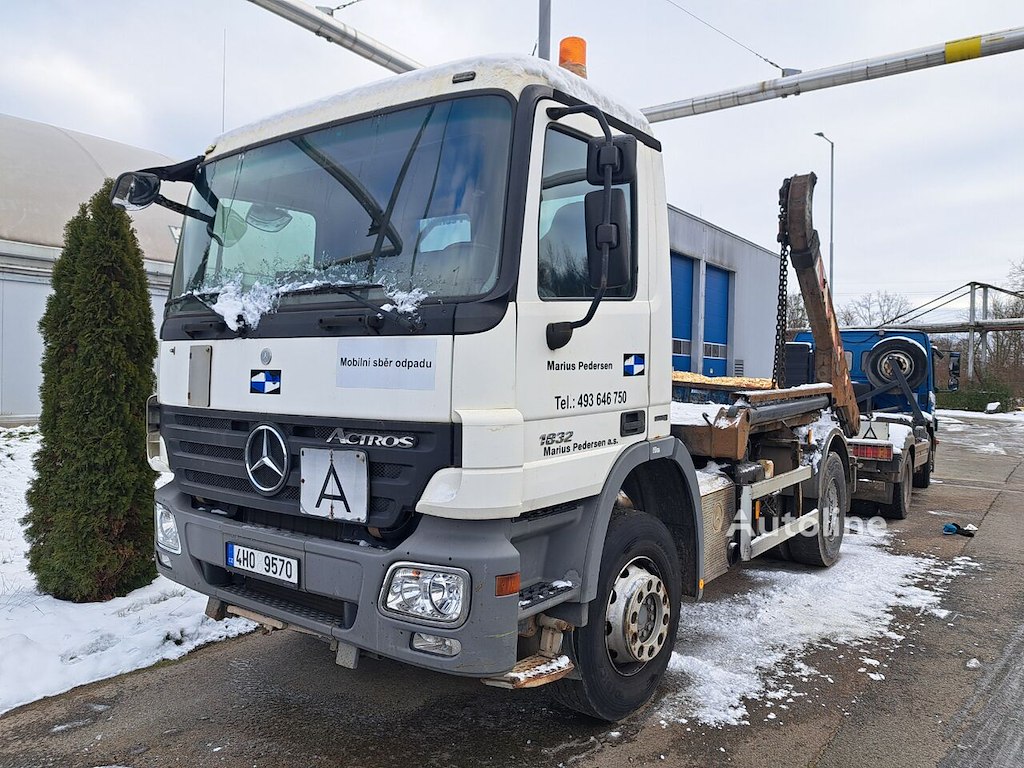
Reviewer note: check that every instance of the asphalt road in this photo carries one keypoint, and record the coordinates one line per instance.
(278, 699)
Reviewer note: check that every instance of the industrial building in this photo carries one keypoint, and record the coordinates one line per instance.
(724, 294)
(723, 297)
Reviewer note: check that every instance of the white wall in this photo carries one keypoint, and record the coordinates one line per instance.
(24, 288)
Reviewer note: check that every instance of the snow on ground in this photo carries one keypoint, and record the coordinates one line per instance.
(1014, 417)
(997, 434)
(752, 646)
(48, 646)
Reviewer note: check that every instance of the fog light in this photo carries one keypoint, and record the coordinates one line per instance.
(165, 561)
(439, 646)
(166, 529)
(426, 593)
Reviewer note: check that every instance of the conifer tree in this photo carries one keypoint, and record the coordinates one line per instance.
(90, 520)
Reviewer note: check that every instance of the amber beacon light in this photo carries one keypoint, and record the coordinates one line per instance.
(572, 55)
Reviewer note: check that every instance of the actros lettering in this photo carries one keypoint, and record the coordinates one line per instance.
(371, 440)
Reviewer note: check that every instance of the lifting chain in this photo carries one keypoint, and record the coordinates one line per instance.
(782, 310)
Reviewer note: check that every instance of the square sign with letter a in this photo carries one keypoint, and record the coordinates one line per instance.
(335, 484)
(633, 365)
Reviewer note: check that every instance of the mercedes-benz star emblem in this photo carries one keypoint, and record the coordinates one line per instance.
(266, 459)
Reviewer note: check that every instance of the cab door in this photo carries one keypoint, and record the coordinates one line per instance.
(583, 403)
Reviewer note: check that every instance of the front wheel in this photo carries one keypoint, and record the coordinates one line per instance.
(623, 650)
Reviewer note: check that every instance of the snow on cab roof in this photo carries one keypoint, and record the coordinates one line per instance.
(508, 72)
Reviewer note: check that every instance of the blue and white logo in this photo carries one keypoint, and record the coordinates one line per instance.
(633, 365)
(264, 382)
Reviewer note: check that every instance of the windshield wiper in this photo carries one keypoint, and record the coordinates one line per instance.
(355, 188)
(351, 290)
(385, 219)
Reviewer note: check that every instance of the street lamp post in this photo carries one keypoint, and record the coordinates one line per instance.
(831, 207)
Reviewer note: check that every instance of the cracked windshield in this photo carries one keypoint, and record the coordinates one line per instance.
(403, 207)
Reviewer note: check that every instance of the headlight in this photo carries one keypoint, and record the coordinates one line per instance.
(166, 529)
(426, 593)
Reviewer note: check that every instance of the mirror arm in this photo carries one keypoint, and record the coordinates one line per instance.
(557, 113)
(559, 334)
(183, 171)
(182, 209)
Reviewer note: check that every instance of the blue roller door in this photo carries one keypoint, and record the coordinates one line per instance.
(682, 311)
(716, 321)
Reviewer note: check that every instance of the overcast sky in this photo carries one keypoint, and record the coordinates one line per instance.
(929, 187)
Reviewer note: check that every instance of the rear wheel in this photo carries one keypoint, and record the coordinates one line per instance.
(623, 650)
(923, 476)
(900, 506)
(820, 545)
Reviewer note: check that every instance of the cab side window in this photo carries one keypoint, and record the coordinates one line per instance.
(562, 271)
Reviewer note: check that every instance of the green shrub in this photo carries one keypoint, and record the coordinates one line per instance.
(974, 399)
(90, 520)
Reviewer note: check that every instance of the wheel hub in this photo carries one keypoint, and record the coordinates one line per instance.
(894, 360)
(638, 615)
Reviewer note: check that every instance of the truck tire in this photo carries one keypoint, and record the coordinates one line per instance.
(923, 476)
(623, 650)
(900, 506)
(911, 359)
(822, 548)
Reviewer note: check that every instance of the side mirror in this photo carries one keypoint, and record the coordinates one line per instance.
(620, 155)
(954, 363)
(615, 234)
(135, 190)
(954, 371)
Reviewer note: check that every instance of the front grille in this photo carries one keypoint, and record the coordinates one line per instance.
(202, 422)
(386, 471)
(217, 451)
(206, 452)
(236, 484)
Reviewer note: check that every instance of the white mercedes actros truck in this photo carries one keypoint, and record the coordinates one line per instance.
(415, 388)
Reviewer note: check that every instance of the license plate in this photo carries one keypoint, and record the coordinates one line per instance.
(263, 563)
(335, 484)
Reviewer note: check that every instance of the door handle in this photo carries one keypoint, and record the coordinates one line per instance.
(632, 423)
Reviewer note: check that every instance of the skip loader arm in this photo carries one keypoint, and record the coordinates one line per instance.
(797, 230)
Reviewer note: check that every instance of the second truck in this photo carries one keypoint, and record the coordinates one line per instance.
(894, 378)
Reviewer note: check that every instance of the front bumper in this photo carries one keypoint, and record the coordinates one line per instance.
(340, 582)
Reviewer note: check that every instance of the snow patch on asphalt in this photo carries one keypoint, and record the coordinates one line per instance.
(1014, 417)
(49, 646)
(751, 646)
(992, 448)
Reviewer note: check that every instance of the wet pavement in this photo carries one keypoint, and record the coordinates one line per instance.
(279, 700)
